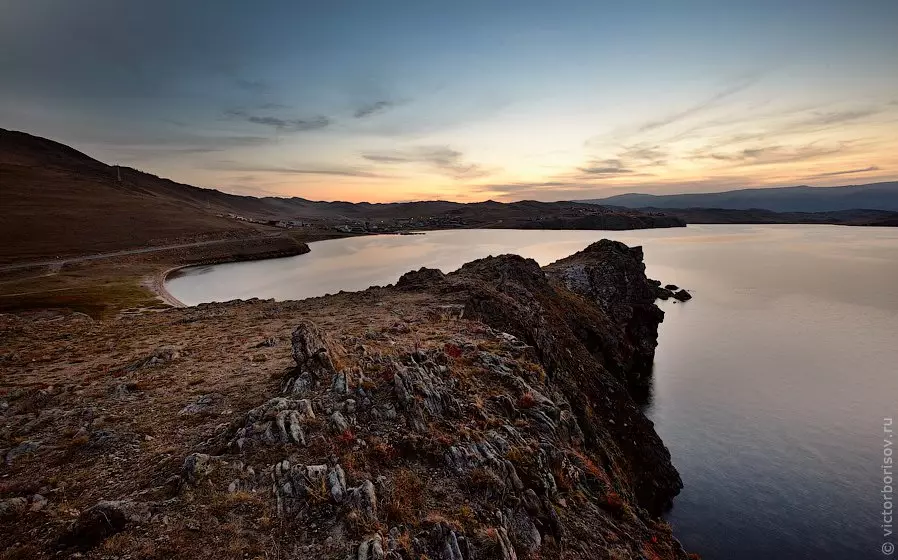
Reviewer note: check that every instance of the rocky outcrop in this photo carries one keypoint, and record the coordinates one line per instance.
(482, 414)
(537, 412)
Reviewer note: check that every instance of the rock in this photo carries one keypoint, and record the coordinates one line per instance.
(38, 502)
(202, 404)
(524, 533)
(682, 295)
(420, 279)
(123, 390)
(671, 287)
(103, 520)
(279, 420)
(24, 448)
(267, 343)
(364, 499)
(310, 350)
(371, 548)
(449, 544)
(198, 466)
(159, 357)
(338, 422)
(340, 384)
(506, 550)
(336, 484)
(11, 507)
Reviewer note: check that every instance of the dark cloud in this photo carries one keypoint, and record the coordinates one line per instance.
(845, 172)
(373, 109)
(279, 123)
(606, 168)
(765, 155)
(442, 159)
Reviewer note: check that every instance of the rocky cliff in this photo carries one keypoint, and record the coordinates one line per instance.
(485, 413)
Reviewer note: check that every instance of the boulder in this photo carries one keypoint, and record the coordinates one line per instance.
(682, 295)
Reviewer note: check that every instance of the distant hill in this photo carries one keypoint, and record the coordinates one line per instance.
(758, 216)
(57, 201)
(875, 196)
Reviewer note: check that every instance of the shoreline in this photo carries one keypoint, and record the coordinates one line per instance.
(156, 283)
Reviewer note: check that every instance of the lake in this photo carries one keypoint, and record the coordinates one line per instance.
(770, 386)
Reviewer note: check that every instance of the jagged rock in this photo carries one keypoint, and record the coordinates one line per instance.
(524, 533)
(364, 499)
(336, 484)
(198, 466)
(297, 484)
(279, 420)
(422, 387)
(102, 521)
(298, 385)
(506, 549)
(371, 548)
(682, 295)
(449, 544)
(340, 384)
(338, 422)
(160, 356)
(613, 276)
(310, 350)
(419, 279)
(671, 287)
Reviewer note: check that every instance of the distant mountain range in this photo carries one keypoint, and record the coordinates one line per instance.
(874, 196)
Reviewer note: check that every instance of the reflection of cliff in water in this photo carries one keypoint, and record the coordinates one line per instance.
(644, 394)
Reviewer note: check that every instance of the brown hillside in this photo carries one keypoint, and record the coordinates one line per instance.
(57, 201)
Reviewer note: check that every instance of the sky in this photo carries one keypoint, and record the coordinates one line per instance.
(462, 100)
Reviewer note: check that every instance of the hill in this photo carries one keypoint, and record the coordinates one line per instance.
(759, 216)
(875, 196)
(59, 202)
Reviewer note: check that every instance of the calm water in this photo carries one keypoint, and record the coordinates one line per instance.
(770, 387)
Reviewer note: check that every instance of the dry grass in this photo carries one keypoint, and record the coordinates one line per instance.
(405, 499)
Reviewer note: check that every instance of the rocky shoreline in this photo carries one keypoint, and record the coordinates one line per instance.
(485, 413)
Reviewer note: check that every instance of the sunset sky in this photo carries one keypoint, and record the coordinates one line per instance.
(462, 100)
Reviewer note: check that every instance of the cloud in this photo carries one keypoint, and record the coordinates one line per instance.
(254, 86)
(336, 171)
(701, 107)
(775, 154)
(845, 172)
(278, 123)
(653, 155)
(442, 159)
(373, 109)
(606, 168)
(839, 117)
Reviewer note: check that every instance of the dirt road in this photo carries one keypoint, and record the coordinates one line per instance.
(59, 262)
